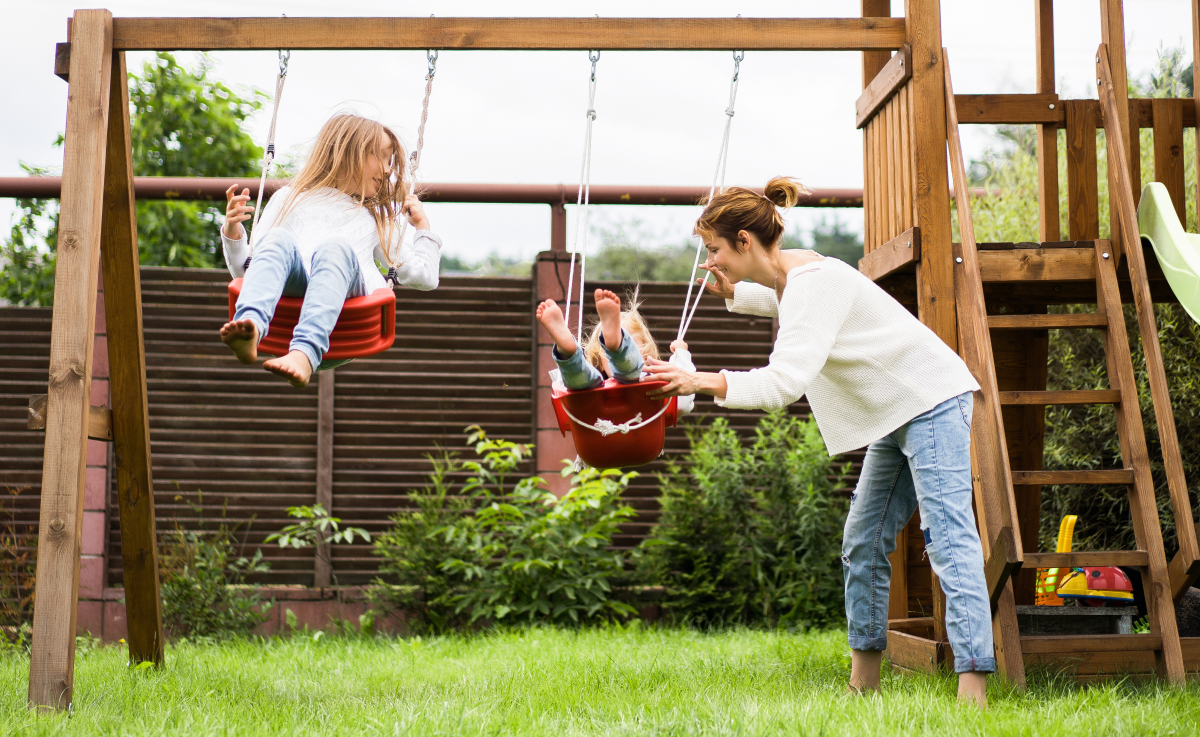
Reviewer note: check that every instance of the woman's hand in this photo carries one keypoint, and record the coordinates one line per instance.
(237, 209)
(681, 382)
(722, 287)
(415, 212)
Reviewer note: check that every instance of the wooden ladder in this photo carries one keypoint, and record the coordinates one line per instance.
(994, 479)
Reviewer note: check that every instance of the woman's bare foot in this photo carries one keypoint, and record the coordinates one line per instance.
(242, 338)
(294, 367)
(608, 305)
(972, 688)
(551, 318)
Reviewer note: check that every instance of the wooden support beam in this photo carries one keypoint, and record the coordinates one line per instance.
(1047, 133)
(1090, 558)
(1083, 199)
(1120, 195)
(99, 422)
(1044, 398)
(894, 75)
(127, 377)
(625, 34)
(1012, 109)
(62, 61)
(911, 625)
(325, 416)
(873, 61)
(902, 251)
(1002, 565)
(1194, 107)
(1112, 34)
(1072, 644)
(1100, 476)
(1026, 265)
(1047, 322)
(1168, 151)
(60, 524)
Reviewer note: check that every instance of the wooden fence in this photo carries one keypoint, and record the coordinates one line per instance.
(234, 445)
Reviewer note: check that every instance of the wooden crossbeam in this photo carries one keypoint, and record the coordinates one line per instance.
(1047, 322)
(1102, 476)
(892, 77)
(1072, 644)
(99, 422)
(1001, 565)
(625, 34)
(902, 251)
(1135, 558)
(1044, 398)
(1038, 264)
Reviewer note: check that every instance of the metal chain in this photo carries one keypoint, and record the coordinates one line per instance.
(685, 320)
(581, 201)
(269, 156)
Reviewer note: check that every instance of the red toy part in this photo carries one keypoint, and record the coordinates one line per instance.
(1097, 586)
(366, 325)
(615, 407)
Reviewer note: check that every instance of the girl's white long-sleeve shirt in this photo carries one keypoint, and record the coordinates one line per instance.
(323, 214)
(866, 364)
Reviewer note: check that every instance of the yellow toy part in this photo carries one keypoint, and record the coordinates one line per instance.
(1096, 585)
(1047, 578)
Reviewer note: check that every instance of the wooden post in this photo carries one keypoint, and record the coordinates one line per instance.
(127, 373)
(1047, 133)
(558, 227)
(52, 658)
(1195, 97)
(1112, 32)
(323, 565)
(873, 61)
(1168, 152)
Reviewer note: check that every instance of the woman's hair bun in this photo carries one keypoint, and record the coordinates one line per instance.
(785, 191)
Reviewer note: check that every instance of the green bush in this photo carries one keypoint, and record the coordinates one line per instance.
(507, 552)
(750, 535)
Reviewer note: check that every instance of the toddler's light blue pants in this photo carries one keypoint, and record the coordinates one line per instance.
(578, 373)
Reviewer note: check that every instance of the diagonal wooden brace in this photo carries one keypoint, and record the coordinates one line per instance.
(1004, 563)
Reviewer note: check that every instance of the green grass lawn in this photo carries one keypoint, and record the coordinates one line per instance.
(555, 682)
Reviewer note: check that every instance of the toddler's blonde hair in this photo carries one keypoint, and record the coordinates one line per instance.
(634, 324)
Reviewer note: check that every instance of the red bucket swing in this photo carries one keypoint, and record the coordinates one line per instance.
(366, 325)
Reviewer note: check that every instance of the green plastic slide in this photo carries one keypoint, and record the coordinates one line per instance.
(1178, 251)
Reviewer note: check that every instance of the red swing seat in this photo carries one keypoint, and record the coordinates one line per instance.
(610, 407)
(366, 325)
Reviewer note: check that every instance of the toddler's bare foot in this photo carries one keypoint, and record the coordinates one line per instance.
(608, 305)
(972, 689)
(294, 367)
(242, 338)
(551, 318)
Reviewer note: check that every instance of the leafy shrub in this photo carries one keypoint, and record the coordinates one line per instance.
(509, 554)
(750, 535)
(204, 591)
(18, 570)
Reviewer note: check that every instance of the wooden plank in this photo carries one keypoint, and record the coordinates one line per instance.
(1083, 199)
(99, 422)
(325, 425)
(581, 34)
(905, 167)
(62, 61)
(1113, 476)
(1143, 508)
(1168, 151)
(1044, 398)
(1121, 195)
(1194, 107)
(1038, 645)
(912, 652)
(1026, 265)
(1112, 35)
(1008, 109)
(1047, 322)
(1133, 558)
(1001, 565)
(902, 251)
(873, 61)
(1141, 113)
(60, 526)
(895, 73)
(911, 625)
(935, 271)
(898, 590)
(989, 449)
(1047, 133)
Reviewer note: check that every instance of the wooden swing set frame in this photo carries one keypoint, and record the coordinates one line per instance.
(98, 231)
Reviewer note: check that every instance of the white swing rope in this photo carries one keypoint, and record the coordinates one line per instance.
(269, 156)
(431, 57)
(581, 201)
(608, 427)
(685, 320)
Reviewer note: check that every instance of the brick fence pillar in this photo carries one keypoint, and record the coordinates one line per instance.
(550, 275)
(95, 496)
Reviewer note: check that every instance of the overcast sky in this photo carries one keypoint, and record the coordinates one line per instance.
(503, 116)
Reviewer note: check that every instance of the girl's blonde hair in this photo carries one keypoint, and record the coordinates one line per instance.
(737, 209)
(339, 155)
(634, 324)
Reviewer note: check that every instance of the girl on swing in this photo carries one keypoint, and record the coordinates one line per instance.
(319, 238)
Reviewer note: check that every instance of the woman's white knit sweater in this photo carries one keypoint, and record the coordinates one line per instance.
(867, 365)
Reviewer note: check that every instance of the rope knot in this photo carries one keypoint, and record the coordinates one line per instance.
(729, 111)
(591, 114)
(608, 427)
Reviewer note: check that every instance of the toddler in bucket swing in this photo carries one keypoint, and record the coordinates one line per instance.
(319, 238)
(616, 347)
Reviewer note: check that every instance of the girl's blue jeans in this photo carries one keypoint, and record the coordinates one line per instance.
(926, 465)
(276, 270)
(578, 373)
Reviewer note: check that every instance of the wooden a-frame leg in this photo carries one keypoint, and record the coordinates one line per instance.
(60, 522)
(127, 377)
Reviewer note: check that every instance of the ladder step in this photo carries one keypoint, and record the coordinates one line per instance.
(1087, 558)
(1047, 322)
(1076, 644)
(1113, 476)
(1087, 396)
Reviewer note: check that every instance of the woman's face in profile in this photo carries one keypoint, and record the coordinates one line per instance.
(723, 257)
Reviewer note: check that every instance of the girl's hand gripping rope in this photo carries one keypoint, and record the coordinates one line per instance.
(415, 212)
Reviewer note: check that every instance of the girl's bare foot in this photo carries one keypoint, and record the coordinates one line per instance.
(294, 367)
(864, 671)
(551, 318)
(608, 305)
(972, 689)
(242, 338)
